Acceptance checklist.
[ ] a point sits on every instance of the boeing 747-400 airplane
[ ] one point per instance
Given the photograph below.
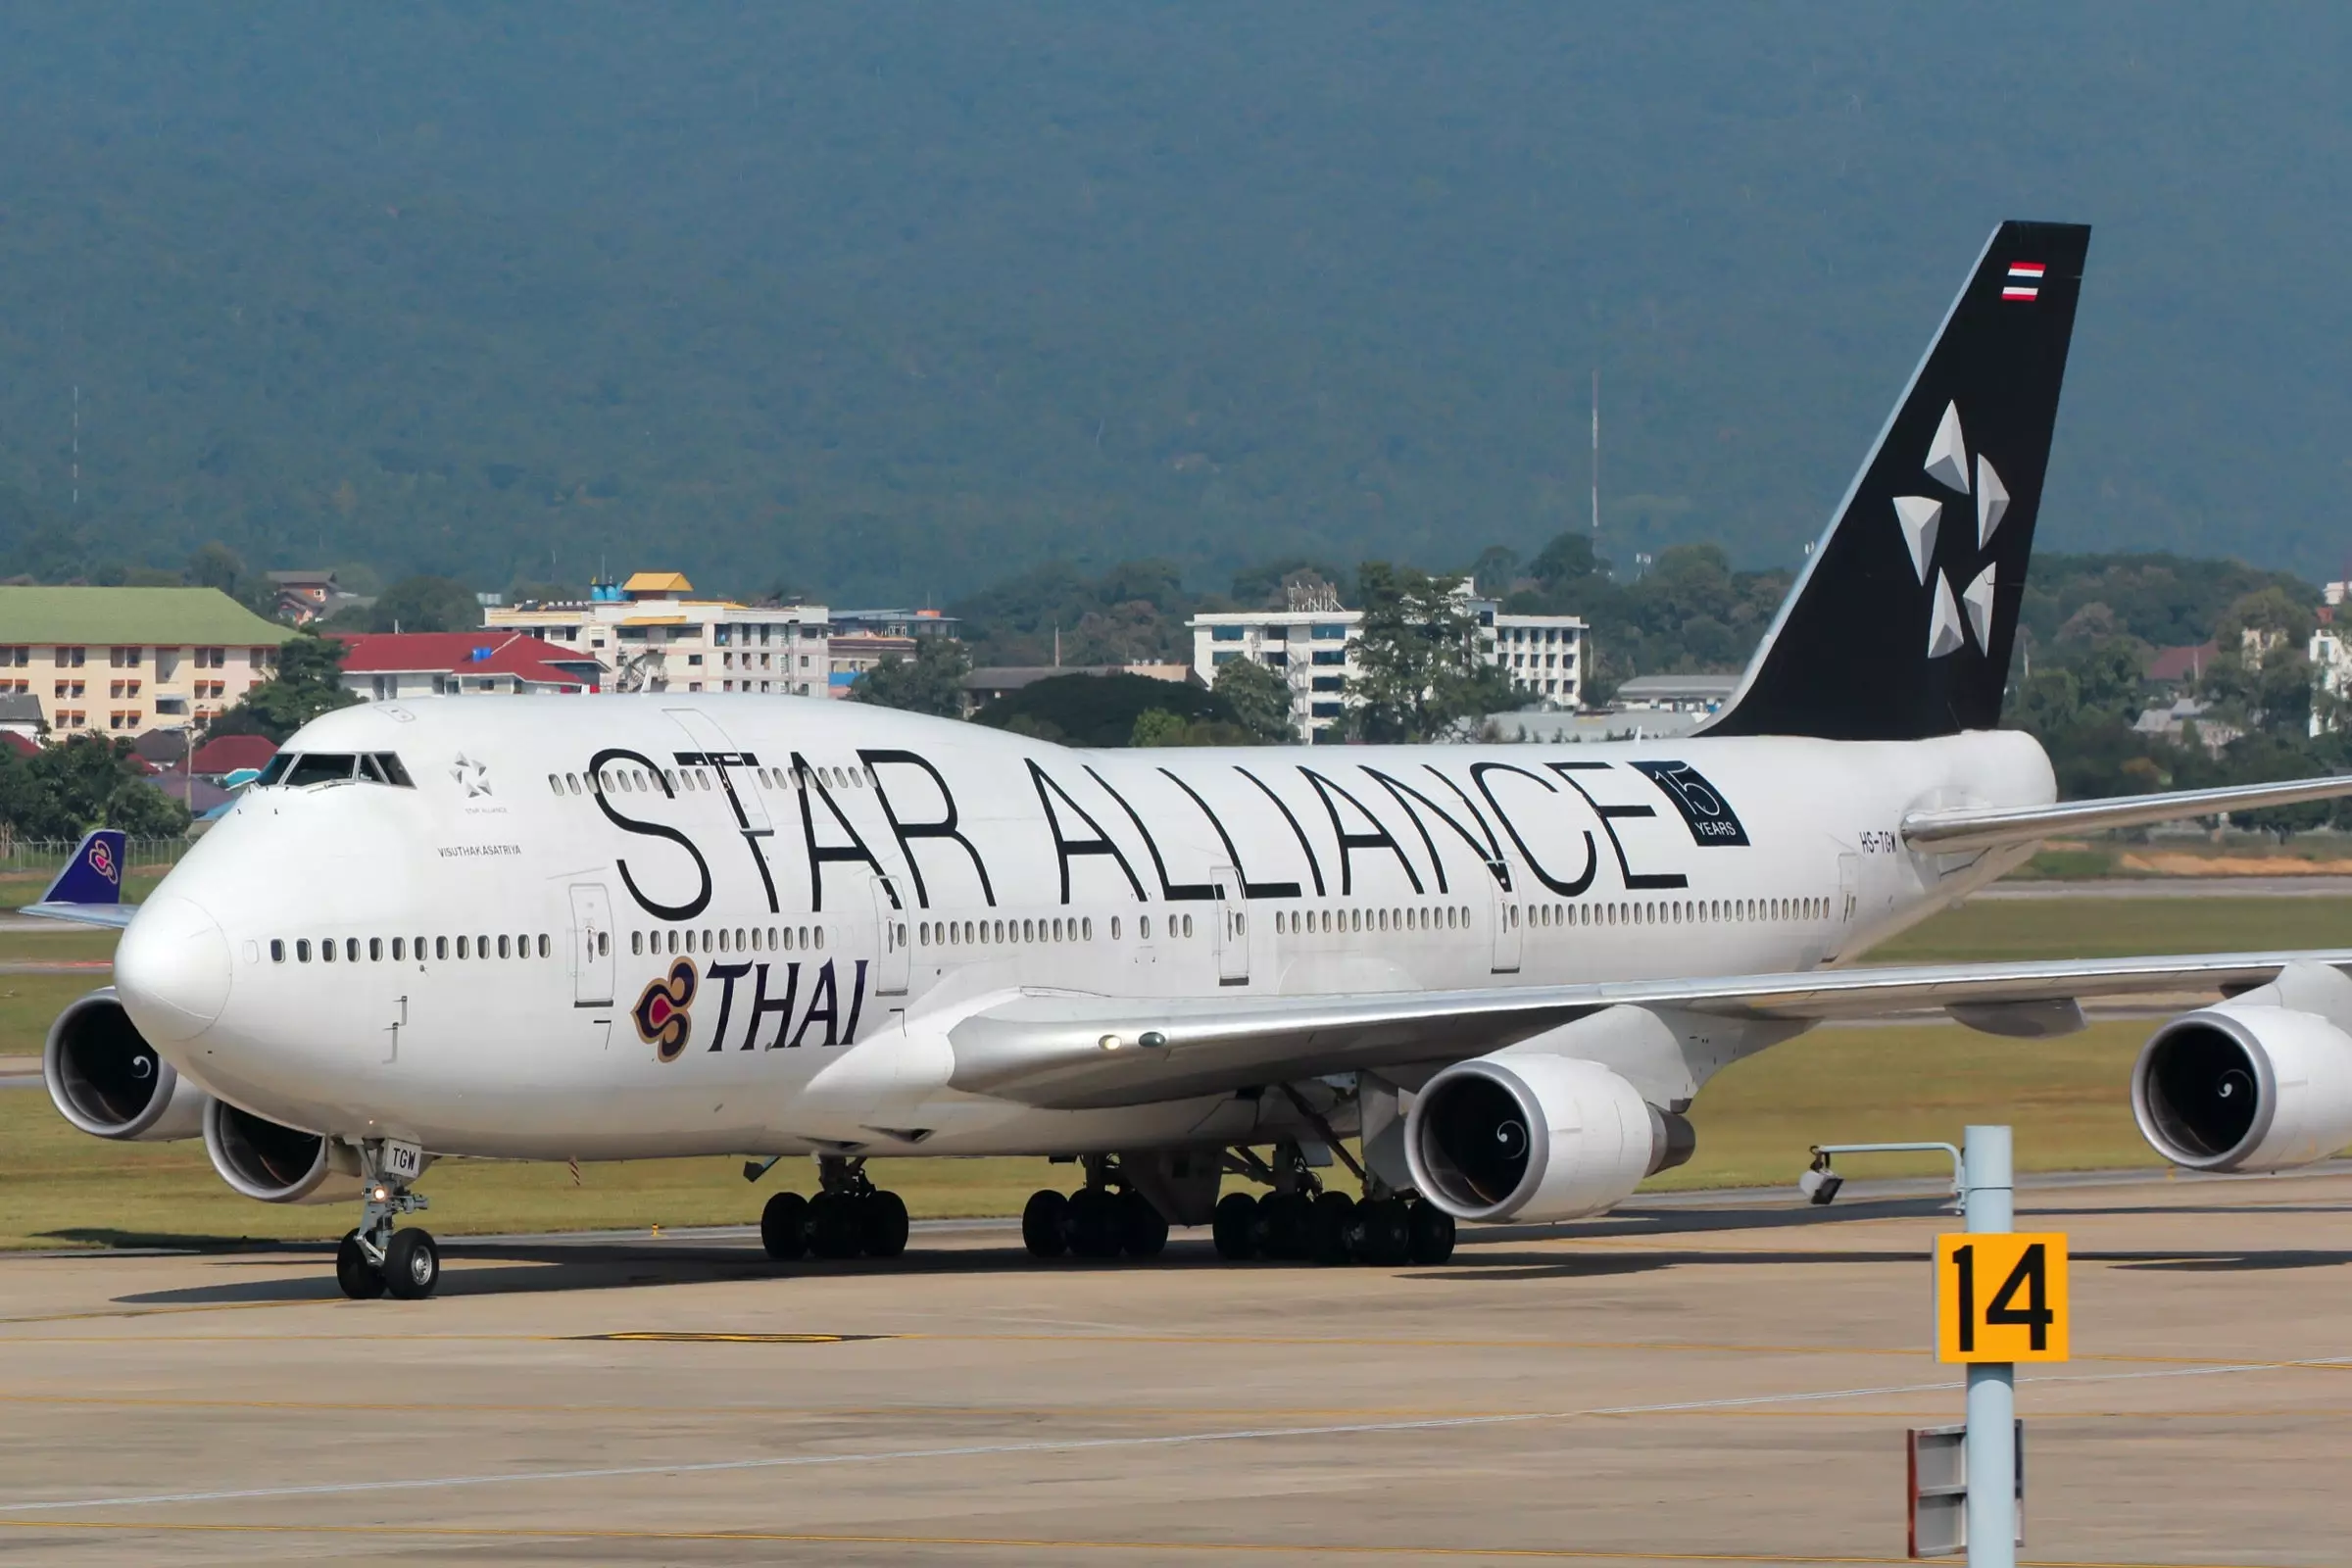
(671, 924)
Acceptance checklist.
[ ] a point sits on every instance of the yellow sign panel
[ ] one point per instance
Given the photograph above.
(2001, 1296)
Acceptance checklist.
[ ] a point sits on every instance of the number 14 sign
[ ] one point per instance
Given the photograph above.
(2001, 1296)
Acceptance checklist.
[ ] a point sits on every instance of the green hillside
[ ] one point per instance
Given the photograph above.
(893, 302)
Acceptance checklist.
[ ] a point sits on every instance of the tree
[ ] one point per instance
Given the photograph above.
(308, 683)
(426, 603)
(1260, 700)
(1096, 709)
(1424, 674)
(62, 791)
(931, 682)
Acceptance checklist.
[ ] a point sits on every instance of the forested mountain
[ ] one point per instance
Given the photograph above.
(893, 302)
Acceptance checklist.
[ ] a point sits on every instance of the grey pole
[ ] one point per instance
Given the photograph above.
(1987, 1195)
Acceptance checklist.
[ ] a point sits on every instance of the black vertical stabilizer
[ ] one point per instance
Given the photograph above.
(1900, 625)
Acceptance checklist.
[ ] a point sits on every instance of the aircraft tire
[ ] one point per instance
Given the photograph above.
(1143, 1232)
(412, 1265)
(1432, 1234)
(1094, 1223)
(784, 1227)
(1381, 1233)
(358, 1278)
(1234, 1227)
(1045, 1223)
(833, 1229)
(1281, 1231)
(882, 1224)
(1328, 1223)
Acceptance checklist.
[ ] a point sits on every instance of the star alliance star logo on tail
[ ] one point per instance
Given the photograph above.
(1922, 520)
(660, 1014)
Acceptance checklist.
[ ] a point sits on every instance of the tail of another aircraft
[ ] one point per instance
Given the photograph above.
(1901, 624)
(89, 889)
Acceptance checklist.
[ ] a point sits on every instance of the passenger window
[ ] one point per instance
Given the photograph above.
(674, 941)
(1086, 928)
(543, 945)
(302, 950)
(571, 781)
(351, 949)
(1114, 928)
(637, 942)
(441, 947)
(555, 783)
(604, 945)
(504, 947)
(465, 948)
(375, 950)
(1143, 926)
(326, 950)
(400, 948)
(819, 934)
(277, 949)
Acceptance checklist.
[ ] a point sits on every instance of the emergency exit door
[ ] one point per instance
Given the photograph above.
(591, 946)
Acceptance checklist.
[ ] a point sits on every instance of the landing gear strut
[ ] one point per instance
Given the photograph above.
(1108, 1217)
(376, 1258)
(1299, 1221)
(849, 1217)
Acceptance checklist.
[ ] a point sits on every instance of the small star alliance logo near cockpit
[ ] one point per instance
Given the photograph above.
(475, 776)
(660, 1013)
(1922, 520)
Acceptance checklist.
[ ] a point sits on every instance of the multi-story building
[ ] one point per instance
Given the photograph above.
(649, 634)
(384, 666)
(129, 660)
(1312, 645)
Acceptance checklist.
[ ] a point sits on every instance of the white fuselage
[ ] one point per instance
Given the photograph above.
(837, 883)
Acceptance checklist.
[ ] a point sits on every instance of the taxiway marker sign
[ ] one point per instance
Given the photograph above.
(2001, 1296)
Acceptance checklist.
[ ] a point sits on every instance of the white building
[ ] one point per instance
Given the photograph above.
(2331, 674)
(1312, 645)
(648, 634)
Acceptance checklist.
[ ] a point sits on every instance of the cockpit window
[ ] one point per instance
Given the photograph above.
(318, 768)
(335, 767)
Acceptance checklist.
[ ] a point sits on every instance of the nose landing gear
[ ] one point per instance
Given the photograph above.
(376, 1258)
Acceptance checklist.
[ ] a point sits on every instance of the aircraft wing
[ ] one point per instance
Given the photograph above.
(1072, 1049)
(88, 889)
(1958, 832)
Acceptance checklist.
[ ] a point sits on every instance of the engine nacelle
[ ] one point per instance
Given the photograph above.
(278, 1165)
(107, 1081)
(2246, 1084)
(1536, 1137)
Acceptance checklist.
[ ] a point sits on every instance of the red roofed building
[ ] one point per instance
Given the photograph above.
(384, 666)
(2175, 666)
(234, 753)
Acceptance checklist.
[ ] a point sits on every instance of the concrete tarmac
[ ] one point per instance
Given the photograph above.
(1683, 1382)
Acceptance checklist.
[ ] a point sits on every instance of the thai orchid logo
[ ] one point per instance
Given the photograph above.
(102, 862)
(663, 1019)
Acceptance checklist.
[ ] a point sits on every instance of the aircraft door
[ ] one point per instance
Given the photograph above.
(591, 946)
(1507, 916)
(719, 752)
(1850, 901)
(890, 918)
(1233, 928)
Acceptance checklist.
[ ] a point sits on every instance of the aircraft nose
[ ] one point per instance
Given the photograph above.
(172, 969)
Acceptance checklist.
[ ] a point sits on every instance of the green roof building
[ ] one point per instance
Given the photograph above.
(132, 659)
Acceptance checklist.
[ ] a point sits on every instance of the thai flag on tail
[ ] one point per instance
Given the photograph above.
(2025, 281)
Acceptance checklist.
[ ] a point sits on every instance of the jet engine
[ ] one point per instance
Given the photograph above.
(1536, 1137)
(2251, 1083)
(274, 1164)
(109, 1082)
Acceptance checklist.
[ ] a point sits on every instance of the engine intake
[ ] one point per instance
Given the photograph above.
(107, 1080)
(1536, 1137)
(274, 1164)
(2246, 1084)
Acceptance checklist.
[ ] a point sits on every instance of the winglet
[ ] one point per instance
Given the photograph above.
(89, 889)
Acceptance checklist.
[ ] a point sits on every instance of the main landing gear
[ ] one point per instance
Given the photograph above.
(1105, 1218)
(376, 1258)
(1301, 1222)
(849, 1217)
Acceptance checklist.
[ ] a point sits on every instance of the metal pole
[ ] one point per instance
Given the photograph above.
(1987, 1195)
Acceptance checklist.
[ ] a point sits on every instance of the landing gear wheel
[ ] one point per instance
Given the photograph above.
(412, 1265)
(1234, 1227)
(360, 1279)
(1143, 1233)
(1045, 1224)
(1281, 1231)
(1327, 1228)
(784, 1226)
(1092, 1223)
(882, 1223)
(1381, 1233)
(1432, 1231)
(833, 1228)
